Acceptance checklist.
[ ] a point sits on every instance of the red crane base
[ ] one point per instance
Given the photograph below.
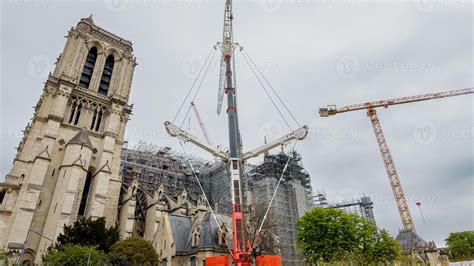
(263, 260)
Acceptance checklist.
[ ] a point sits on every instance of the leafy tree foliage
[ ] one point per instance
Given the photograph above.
(461, 246)
(5, 257)
(385, 248)
(132, 251)
(331, 235)
(72, 255)
(88, 232)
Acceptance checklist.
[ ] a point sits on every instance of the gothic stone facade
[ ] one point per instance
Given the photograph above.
(67, 165)
(181, 228)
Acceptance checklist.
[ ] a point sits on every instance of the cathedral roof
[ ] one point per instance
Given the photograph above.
(182, 229)
(81, 138)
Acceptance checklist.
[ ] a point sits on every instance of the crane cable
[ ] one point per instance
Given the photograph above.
(205, 197)
(194, 83)
(199, 87)
(266, 91)
(273, 90)
(274, 194)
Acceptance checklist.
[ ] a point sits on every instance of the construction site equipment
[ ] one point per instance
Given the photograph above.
(235, 158)
(217, 261)
(421, 213)
(266, 260)
(384, 150)
(153, 166)
(363, 207)
(201, 123)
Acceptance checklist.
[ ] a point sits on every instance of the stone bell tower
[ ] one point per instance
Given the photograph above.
(68, 161)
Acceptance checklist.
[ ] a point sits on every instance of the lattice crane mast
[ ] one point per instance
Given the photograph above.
(397, 190)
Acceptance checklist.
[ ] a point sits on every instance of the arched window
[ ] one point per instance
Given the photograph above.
(106, 75)
(96, 119)
(73, 110)
(78, 114)
(3, 192)
(88, 68)
(85, 194)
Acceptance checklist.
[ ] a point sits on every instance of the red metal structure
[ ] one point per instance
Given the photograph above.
(241, 252)
(217, 261)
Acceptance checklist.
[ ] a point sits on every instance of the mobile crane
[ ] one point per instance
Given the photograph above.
(235, 158)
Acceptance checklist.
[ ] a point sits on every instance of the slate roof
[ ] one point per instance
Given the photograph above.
(209, 231)
(182, 228)
(81, 138)
(410, 240)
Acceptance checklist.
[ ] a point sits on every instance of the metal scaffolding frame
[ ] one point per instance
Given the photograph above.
(152, 165)
(293, 197)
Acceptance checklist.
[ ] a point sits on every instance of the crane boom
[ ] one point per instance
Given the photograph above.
(201, 123)
(397, 190)
(175, 131)
(332, 110)
(297, 134)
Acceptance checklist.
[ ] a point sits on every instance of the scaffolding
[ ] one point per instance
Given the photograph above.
(293, 198)
(152, 165)
(362, 207)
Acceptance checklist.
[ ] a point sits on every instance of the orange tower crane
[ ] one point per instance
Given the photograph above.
(384, 150)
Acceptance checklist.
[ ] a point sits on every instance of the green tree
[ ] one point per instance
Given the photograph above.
(5, 257)
(331, 235)
(88, 232)
(461, 245)
(386, 249)
(132, 251)
(72, 255)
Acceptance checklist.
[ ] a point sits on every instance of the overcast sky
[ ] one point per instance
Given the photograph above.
(314, 53)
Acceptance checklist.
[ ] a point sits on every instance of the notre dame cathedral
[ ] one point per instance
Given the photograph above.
(67, 165)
